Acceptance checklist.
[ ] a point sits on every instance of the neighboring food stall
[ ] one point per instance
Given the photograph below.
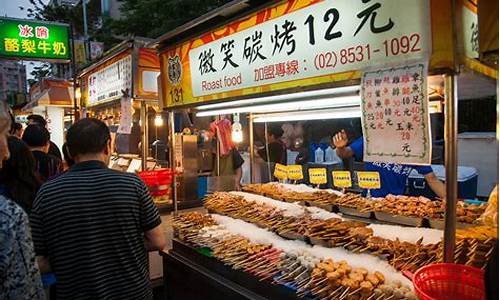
(121, 89)
(53, 99)
(328, 59)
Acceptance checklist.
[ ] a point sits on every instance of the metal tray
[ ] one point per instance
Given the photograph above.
(396, 219)
(260, 224)
(354, 212)
(327, 207)
(320, 242)
(439, 224)
(292, 235)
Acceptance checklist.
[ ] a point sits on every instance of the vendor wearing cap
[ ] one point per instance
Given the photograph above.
(393, 177)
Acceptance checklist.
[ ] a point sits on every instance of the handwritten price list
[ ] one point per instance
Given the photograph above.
(395, 115)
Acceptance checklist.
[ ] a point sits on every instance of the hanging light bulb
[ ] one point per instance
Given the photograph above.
(158, 121)
(236, 132)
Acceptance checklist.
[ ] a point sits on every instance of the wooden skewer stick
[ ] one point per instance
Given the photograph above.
(355, 291)
(344, 294)
(371, 297)
(337, 292)
(303, 282)
(324, 289)
(381, 297)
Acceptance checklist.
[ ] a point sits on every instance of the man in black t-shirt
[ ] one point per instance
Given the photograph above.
(94, 225)
(39, 120)
(37, 139)
(277, 149)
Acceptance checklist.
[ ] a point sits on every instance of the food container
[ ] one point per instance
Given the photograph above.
(397, 219)
(466, 177)
(354, 212)
(327, 207)
(320, 242)
(439, 224)
(292, 235)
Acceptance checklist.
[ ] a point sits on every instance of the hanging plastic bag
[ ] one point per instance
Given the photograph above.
(490, 215)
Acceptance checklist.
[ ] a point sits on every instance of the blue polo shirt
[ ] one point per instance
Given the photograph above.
(392, 176)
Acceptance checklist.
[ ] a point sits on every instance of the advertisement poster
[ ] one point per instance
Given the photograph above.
(125, 115)
(297, 43)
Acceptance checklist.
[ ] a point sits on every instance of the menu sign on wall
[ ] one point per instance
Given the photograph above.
(298, 40)
(108, 83)
(396, 125)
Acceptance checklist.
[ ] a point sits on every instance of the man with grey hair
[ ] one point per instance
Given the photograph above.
(19, 274)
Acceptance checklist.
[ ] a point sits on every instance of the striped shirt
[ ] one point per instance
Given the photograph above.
(90, 223)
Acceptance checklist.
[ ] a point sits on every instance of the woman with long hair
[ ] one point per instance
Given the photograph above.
(19, 180)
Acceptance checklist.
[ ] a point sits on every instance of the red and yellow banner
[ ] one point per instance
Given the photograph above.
(342, 27)
(295, 44)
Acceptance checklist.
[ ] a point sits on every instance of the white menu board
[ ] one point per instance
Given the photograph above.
(108, 83)
(396, 124)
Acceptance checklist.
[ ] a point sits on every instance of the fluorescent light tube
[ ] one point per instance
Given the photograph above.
(340, 113)
(318, 93)
(346, 101)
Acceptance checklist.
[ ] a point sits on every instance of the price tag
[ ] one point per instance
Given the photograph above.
(295, 172)
(369, 180)
(342, 179)
(317, 175)
(280, 172)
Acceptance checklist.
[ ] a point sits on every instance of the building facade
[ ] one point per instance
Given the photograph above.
(12, 81)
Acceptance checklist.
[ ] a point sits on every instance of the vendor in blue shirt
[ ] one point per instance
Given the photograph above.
(392, 176)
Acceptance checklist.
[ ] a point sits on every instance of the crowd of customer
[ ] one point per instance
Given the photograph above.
(88, 225)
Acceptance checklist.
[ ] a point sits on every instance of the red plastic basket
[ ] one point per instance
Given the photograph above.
(157, 181)
(446, 281)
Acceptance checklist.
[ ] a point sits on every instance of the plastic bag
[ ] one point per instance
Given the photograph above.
(490, 215)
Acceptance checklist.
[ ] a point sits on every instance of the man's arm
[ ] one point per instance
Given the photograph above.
(154, 236)
(43, 264)
(436, 185)
(154, 239)
(340, 141)
(237, 179)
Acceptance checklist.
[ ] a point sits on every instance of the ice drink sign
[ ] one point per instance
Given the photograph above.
(396, 123)
(34, 40)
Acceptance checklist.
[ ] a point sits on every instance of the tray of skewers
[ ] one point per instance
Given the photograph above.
(399, 219)
(354, 211)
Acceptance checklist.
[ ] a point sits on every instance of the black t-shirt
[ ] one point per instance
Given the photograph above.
(90, 222)
(47, 165)
(277, 153)
(54, 150)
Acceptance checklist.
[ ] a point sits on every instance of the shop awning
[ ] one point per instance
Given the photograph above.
(51, 92)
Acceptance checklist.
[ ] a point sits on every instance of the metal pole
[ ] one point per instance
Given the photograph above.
(251, 145)
(268, 160)
(450, 142)
(217, 148)
(85, 29)
(171, 132)
(76, 113)
(144, 132)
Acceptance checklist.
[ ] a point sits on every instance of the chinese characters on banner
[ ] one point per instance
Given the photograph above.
(321, 38)
(396, 125)
(28, 39)
(108, 83)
